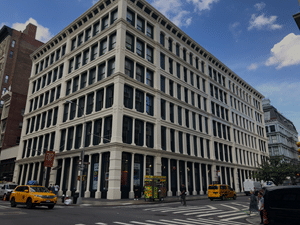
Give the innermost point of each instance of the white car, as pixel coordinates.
(6, 189)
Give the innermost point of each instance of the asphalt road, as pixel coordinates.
(228, 212)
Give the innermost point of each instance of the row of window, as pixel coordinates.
(41, 121)
(258, 117)
(178, 52)
(262, 145)
(94, 29)
(260, 131)
(218, 93)
(45, 98)
(87, 104)
(223, 152)
(91, 76)
(242, 122)
(241, 107)
(38, 145)
(216, 76)
(239, 92)
(49, 60)
(244, 139)
(246, 158)
(187, 144)
(221, 130)
(97, 132)
(188, 98)
(90, 54)
(48, 78)
(219, 111)
(141, 49)
(138, 21)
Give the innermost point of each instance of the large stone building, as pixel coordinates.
(281, 132)
(15, 70)
(154, 103)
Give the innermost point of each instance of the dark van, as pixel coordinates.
(282, 205)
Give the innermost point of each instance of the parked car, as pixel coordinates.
(31, 196)
(282, 205)
(250, 185)
(220, 191)
(6, 189)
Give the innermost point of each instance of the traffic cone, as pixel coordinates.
(4, 198)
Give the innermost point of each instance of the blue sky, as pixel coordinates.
(258, 40)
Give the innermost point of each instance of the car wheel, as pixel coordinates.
(13, 202)
(50, 206)
(29, 203)
(211, 199)
(223, 198)
(234, 197)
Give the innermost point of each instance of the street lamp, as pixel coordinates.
(81, 167)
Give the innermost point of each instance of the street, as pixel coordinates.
(228, 212)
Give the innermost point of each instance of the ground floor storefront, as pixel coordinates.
(115, 173)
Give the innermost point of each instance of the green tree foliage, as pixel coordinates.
(277, 169)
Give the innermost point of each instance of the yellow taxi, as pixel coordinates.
(220, 191)
(31, 196)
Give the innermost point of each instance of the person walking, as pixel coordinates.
(261, 207)
(253, 203)
(136, 192)
(56, 189)
(183, 194)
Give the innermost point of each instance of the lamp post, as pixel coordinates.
(81, 166)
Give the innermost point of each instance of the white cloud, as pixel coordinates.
(202, 4)
(253, 66)
(173, 9)
(42, 34)
(235, 30)
(286, 52)
(260, 6)
(263, 22)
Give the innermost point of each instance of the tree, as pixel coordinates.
(277, 169)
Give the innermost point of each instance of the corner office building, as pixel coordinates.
(154, 101)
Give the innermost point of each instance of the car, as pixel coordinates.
(282, 205)
(250, 185)
(6, 189)
(220, 191)
(31, 196)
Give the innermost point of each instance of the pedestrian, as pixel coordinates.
(50, 187)
(56, 189)
(183, 194)
(261, 207)
(136, 192)
(253, 203)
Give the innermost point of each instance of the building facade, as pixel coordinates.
(281, 133)
(15, 70)
(154, 102)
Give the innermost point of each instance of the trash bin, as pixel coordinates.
(75, 196)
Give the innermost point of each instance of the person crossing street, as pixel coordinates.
(183, 194)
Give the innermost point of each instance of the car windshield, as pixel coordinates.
(38, 189)
(213, 187)
(12, 186)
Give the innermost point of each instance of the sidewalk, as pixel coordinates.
(254, 219)
(120, 202)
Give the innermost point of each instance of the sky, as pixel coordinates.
(258, 40)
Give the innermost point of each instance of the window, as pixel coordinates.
(172, 112)
(92, 76)
(52, 95)
(41, 65)
(139, 133)
(139, 101)
(170, 66)
(192, 78)
(57, 54)
(162, 61)
(11, 54)
(130, 17)
(78, 136)
(170, 45)
(149, 105)
(184, 54)
(149, 30)
(104, 22)
(149, 80)
(78, 61)
(83, 80)
(90, 103)
(185, 74)
(127, 130)
(140, 48)
(6, 79)
(179, 91)
(187, 118)
(111, 67)
(66, 112)
(191, 58)
(140, 73)
(73, 45)
(129, 68)
(114, 16)
(63, 51)
(88, 34)
(149, 135)
(13, 43)
(112, 41)
(186, 95)
(171, 89)
(109, 96)
(163, 138)
(81, 107)
(47, 61)
(99, 99)
(101, 71)
(162, 83)
(55, 74)
(178, 50)
(163, 109)
(129, 42)
(128, 97)
(61, 71)
(94, 52)
(140, 24)
(150, 54)
(96, 28)
(86, 55)
(68, 88)
(75, 84)
(179, 116)
(80, 39)
(162, 39)
(58, 92)
(103, 46)
(178, 70)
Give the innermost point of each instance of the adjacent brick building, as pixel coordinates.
(15, 69)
